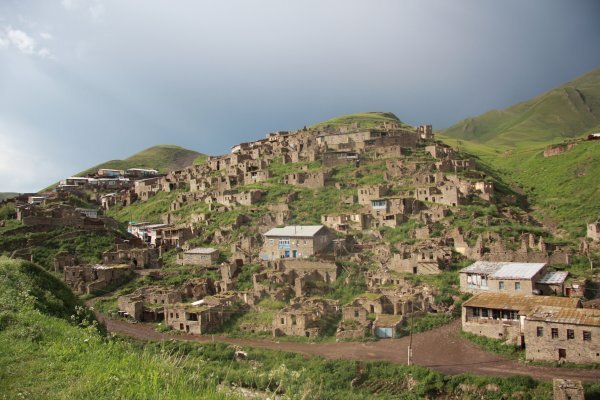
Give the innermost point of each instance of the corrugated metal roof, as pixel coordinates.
(504, 270)
(575, 316)
(518, 270)
(521, 303)
(483, 267)
(553, 278)
(295, 231)
(201, 250)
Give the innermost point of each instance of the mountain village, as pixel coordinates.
(248, 232)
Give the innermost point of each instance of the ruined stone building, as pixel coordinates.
(148, 303)
(203, 316)
(88, 279)
(305, 318)
(593, 231)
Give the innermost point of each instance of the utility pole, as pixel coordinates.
(412, 314)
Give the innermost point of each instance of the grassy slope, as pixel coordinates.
(567, 111)
(564, 189)
(162, 157)
(365, 120)
(7, 195)
(47, 353)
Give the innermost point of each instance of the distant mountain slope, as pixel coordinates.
(7, 195)
(567, 111)
(365, 120)
(162, 157)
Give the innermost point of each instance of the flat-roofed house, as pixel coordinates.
(298, 241)
(563, 334)
(204, 256)
(501, 315)
(506, 277)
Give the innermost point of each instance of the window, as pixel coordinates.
(540, 331)
(554, 333)
(570, 334)
(476, 312)
(587, 336)
(501, 285)
(484, 312)
(517, 285)
(284, 241)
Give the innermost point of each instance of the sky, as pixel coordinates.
(85, 81)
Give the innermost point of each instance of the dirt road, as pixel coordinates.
(441, 349)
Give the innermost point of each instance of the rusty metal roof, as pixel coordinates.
(520, 303)
(562, 315)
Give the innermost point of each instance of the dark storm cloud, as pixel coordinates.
(83, 81)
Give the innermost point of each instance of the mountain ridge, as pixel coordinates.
(566, 111)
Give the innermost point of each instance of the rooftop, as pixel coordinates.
(201, 250)
(295, 231)
(521, 303)
(575, 316)
(504, 270)
(553, 278)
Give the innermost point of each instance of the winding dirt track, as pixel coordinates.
(441, 349)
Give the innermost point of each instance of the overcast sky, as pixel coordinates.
(85, 81)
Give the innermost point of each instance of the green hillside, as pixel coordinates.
(7, 195)
(162, 157)
(567, 111)
(51, 348)
(365, 120)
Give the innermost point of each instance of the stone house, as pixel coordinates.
(502, 315)
(374, 303)
(345, 222)
(88, 279)
(443, 193)
(593, 231)
(506, 277)
(563, 334)
(198, 288)
(354, 323)
(386, 326)
(256, 176)
(298, 241)
(331, 159)
(63, 259)
(142, 257)
(203, 316)
(305, 318)
(426, 258)
(368, 193)
(425, 132)
(201, 256)
(147, 304)
(312, 180)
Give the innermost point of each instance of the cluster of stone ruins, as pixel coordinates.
(427, 182)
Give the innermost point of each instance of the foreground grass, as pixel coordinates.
(51, 349)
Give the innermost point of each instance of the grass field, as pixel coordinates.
(50, 348)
